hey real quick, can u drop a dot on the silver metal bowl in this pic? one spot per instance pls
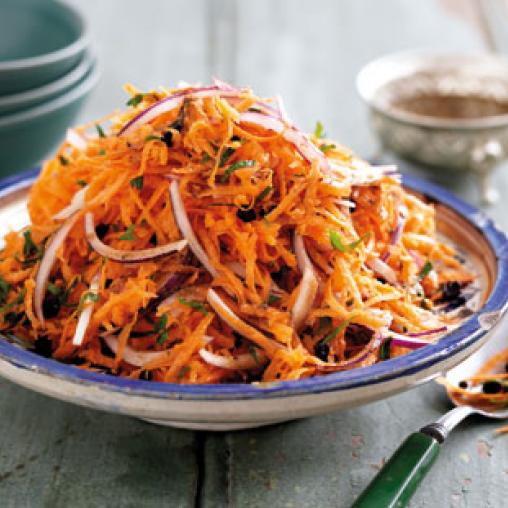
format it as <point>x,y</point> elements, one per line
<point>468,135</point>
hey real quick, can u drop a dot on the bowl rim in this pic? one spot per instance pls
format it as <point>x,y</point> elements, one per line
<point>85,86</point>
<point>65,81</point>
<point>461,338</point>
<point>68,51</point>
<point>364,88</point>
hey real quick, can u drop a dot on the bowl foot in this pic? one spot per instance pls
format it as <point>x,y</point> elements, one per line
<point>211,426</point>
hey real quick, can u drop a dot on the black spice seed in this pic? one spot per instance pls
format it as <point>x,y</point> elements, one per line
<point>235,138</point>
<point>101,230</point>
<point>464,385</point>
<point>108,283</point>
<point>246,215</point>
<point>43,347</point>
<point>238,339</point>
<point>167,137</point>
<point>50,306</point>
<point>322,351</point>
<point>492,387</point>
<point>153,240</point>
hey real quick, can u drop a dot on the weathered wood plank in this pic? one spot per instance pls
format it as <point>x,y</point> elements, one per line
<point>54,454</point>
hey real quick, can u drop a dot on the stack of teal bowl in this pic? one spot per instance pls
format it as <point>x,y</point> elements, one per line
<point>47,69</point>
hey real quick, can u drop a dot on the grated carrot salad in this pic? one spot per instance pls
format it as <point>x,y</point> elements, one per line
<point>214,242</point>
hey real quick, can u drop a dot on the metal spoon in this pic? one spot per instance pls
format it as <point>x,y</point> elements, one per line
<point>398,480</point>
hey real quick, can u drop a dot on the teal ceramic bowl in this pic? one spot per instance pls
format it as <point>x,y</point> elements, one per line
<point>41,41</point>
<point>28,136</point>
<point>20,101</point>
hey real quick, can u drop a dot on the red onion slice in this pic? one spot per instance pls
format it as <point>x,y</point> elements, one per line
<point>240,362</point>
<point>408,342</point>
<point>308,285</point>
<point>127,256</point>
<point>47,262</point>
<point>185,227</point>
<point>383,270</point>
<point>172,102</point>
<point>86,313</point>
<point>240,326</point>
<point>76,140</point>
<point>433,331</point>
<point>77,203</point>
<point>130,355</point>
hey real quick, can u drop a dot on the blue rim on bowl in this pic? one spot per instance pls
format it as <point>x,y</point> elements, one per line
<point>461,338</point>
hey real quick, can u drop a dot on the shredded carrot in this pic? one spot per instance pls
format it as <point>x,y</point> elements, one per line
<point>247,191</point>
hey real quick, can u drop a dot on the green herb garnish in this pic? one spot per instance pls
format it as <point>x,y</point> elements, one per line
<point>235,166</point>
<point>4,289</point>
<point>137,182</point>
<point>336,331</point>
<point>30,248</point>
<point>338,244</point>
<point>160,329</point>
<point>17,301</point>
<point>194,304</point>
<point>82,183</point>
<point>205,158</point>
<point>254,354</point>
<point>152,137</point>
<point>273,299</point>
<point>183,371</point>
<point>102,151</point>
<point>100,131</point>
<point>326,148</point>
<point>88,297</point>
<point>225,155</point>
<point>319,130</point>
<point>426,269</point>
<point>262,195</point>
<point>135,100</point>
<point>384,350</point>
<point>129,234</point>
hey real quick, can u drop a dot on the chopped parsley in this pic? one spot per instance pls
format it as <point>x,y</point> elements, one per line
<point>152,137</point>
<point>384,350</point>
<point>205,158</point>
<point>326,148</point>
<point>160,329</point>
<point>336,331</point>
<point>100,131</point>
<point>338,244</point>
<point>426,269</point>
<point>194,304</point>
<point>137,182</point>
<point>272,299</point>
<point>88,297</point>
<point>62,293</point>
<point>135,100</point>
<point>129,234</point>
<point>82,183</point>
<point>4,290</point>
<point>225,155</point>
<point>262,195</point>
<point>319,130</point>
<point>17,301</point>
<point>254,354</point>
<point>102,151</point>
<point>183,371</point>
<point>30,248</point>
<point>235,166</point>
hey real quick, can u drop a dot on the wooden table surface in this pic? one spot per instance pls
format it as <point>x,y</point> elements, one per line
<point>54,454</point>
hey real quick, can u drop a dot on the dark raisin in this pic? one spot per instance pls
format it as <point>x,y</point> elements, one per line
<point>43,347</point>
<point>464,385</point>
<point>450,291</point>
<point>358,335</point>
<point>492,387</point>
<point>50,306</point>
<point>167,137</point>
<point>108,283</point>
<point>322,351</point>
<point>238,339</point>
<point>153,240</point>
<point>101,230</point>
<point>246,215</point>
<point>236,138</point>
<point>455,304</point>
<point>278,277</point>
